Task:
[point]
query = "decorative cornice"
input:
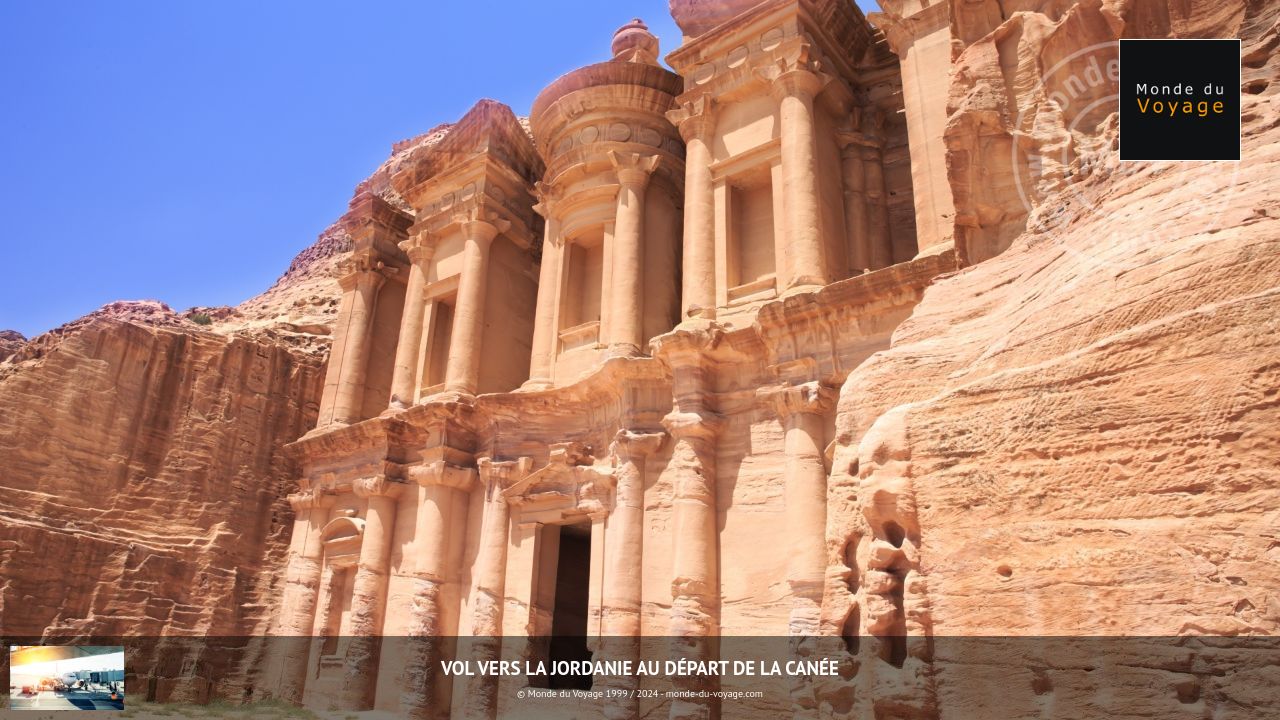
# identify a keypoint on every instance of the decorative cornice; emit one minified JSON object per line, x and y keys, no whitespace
{"x":816,"y":320}
{"x":570,"y":454}
{"x":369,"y":213}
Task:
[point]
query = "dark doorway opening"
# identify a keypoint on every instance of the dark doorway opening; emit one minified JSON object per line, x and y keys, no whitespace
{"x":569,"y":616}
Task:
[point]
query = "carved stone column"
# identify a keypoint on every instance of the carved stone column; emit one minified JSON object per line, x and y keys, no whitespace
{"x":362,"y":285}
{"x":369,"y":590}
{"x":544,"y":322}
{"x":802,"y":410}
{"x":696,"y":120}
{"x":328,"y":615}
{"x":434,"y":567}
{"x":624,"y":537}
{"x":489,"y":591}
{"x":301,"y":590}
{"x":412,"y":322}
{"x":462,"y":373}
{"x":626,"y":295}
{"x":878,"y":238}
{"x":624,"y":560}
{"x":855,"y":201}
{"x":795,"y":84}
{"x":695,"y":586}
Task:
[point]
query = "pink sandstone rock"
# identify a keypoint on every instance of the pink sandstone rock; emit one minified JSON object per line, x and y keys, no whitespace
{"x":1042,"y":401}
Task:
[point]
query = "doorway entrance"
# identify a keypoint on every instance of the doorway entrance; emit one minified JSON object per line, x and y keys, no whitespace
{"x":569,"y":612}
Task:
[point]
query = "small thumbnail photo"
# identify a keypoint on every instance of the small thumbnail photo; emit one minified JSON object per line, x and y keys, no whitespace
{"x":66,"y":677}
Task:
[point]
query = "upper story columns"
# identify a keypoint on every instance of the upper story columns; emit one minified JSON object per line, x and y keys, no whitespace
{"x":611,"y":199}
{"x":372,"y":282}
{"x":696,"y":119}
{"x":626,"y":336}
{"x":794,"y":82}
{"x":360,"y":294}
{"x":545,"y":338}
{"x":419,"y":251}
{"x":471,"y":250}
{"x":462,"y":374}
{"x":766,"y":86}
{"x":920,"y":35}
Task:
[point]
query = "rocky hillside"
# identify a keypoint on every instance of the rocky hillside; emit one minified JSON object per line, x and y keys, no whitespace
{"x":10,"y":342}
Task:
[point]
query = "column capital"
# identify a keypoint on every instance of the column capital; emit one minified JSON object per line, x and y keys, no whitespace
{"x":484,"y":231}
{"x":901,"y":30}
{"x":864,"y":131}
{"x":630,"y":445}
{"x":364,"y":270}
{"x":548,"y":195}
{"x":420,"y":248}
{"x":361,"y":279}
{"x":377,"y":486}
{"x":482,"y":224}
{"x":796,"y":74}
{"x":852,"y":141}
{"x":695,"y":118}
{"x":443,"y":474}
{"x":498,"y":476}
{"x":633,"y":169}
{"x":313,"y":498}
{"x":812,"y":398}
{"x":691,"y":426}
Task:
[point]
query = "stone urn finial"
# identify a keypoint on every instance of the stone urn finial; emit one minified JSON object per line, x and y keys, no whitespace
{"x":634,"y":43}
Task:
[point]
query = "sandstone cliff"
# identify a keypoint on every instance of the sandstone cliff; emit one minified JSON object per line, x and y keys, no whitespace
{"x":1031,"y":106}
{"x":144,"y":477}
{"x":1078,"y":435}
{"x":10,"y":341}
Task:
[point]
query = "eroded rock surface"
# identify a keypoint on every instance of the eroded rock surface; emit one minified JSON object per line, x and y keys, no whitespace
{"x":10,"y":341}
{"x":1032,"y":96}
{"x":1077,"y":436}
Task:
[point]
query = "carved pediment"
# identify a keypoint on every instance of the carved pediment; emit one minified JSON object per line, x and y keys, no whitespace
{"x":567,"y":487}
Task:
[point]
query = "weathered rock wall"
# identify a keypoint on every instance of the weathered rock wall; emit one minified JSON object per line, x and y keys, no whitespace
{"x":1031,"y":106}
{"x":1078,"y":436}
{"x":144,"y":481}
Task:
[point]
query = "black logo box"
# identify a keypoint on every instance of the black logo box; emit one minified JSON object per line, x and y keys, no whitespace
{"x":1186,"y":64}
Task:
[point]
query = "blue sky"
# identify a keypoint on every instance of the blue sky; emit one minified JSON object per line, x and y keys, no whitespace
{"x":186,"y":151}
